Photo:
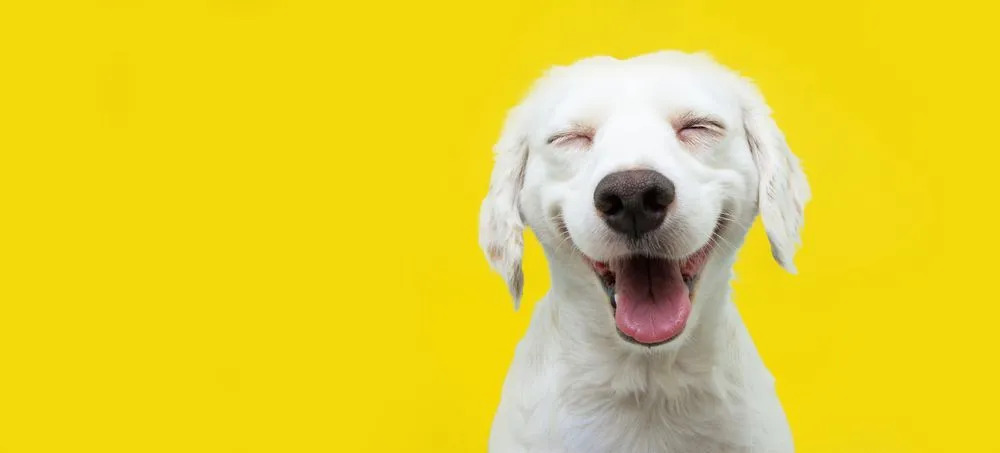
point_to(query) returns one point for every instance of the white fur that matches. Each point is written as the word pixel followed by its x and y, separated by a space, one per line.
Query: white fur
pixel 575 386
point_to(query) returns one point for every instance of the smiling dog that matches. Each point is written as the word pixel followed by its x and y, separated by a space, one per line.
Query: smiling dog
pixel 640 178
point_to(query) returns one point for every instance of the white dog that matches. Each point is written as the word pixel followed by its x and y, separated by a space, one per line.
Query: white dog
pixel 640 178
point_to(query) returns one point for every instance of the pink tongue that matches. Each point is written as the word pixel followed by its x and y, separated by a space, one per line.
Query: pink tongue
pixel 652 300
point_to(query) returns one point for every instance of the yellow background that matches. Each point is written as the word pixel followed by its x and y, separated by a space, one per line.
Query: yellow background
pixel 250 226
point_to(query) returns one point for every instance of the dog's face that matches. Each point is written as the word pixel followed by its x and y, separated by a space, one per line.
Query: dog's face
pixel 644 169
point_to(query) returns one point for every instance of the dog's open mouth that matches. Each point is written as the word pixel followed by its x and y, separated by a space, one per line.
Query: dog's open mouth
pixel 651 296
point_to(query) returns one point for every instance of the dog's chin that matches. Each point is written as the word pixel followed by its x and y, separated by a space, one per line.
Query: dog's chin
pixel 651 296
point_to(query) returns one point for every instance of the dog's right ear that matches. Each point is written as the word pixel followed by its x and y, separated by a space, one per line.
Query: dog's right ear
pixel 501 226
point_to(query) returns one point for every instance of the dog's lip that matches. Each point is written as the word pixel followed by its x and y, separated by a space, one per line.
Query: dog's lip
pixel 606 276
pixel 691 267
pixel 689 272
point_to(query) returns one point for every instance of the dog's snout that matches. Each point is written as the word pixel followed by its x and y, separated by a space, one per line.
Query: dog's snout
pixel 634 202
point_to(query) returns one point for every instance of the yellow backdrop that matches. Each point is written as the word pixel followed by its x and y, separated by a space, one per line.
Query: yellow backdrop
pixel 250 226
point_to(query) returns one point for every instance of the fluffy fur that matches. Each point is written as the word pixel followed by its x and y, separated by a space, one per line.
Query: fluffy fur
pixel 575 386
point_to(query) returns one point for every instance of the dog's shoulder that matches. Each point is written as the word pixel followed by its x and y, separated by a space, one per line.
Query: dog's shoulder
pixel 524 420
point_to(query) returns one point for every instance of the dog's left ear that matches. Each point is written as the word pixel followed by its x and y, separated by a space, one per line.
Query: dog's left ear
pixel 782 188
pixel 501 226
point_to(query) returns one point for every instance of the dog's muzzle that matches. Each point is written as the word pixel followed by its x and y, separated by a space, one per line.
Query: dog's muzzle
pixel 634 202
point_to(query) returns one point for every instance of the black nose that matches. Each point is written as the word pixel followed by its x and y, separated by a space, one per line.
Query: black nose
pixel 634 202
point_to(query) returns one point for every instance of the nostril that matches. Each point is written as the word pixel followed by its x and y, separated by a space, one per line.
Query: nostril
pixel 633 202
pixel 656 200
pixel 610 204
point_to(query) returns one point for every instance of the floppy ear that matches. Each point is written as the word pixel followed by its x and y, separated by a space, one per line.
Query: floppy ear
pixel 500 223
pixel 782 188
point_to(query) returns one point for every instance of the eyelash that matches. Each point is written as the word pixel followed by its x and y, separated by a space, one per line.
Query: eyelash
pixel 694 126
pixel 703 128
pixel 570 137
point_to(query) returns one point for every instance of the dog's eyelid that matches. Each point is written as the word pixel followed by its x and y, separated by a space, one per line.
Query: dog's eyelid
pixel 698 131
pixel 571 135
pixel 693 120
pixel 706 124
pixel 700 122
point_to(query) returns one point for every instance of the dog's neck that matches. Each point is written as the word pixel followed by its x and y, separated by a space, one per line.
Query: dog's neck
pixel 578 310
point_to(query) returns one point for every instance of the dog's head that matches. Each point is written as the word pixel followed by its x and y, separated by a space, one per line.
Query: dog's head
pixel 646 170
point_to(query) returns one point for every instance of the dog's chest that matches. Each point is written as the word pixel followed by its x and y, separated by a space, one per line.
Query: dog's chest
pixel 638 411
pixel 653 426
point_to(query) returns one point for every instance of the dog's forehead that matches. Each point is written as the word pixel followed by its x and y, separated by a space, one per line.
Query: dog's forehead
pixel 589 91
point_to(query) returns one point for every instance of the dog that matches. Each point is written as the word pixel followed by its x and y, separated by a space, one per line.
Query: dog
pixel 640 177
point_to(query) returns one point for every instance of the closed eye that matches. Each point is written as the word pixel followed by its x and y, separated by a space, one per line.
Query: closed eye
pixel 576 137
pixel 696 129
pixel 702 126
